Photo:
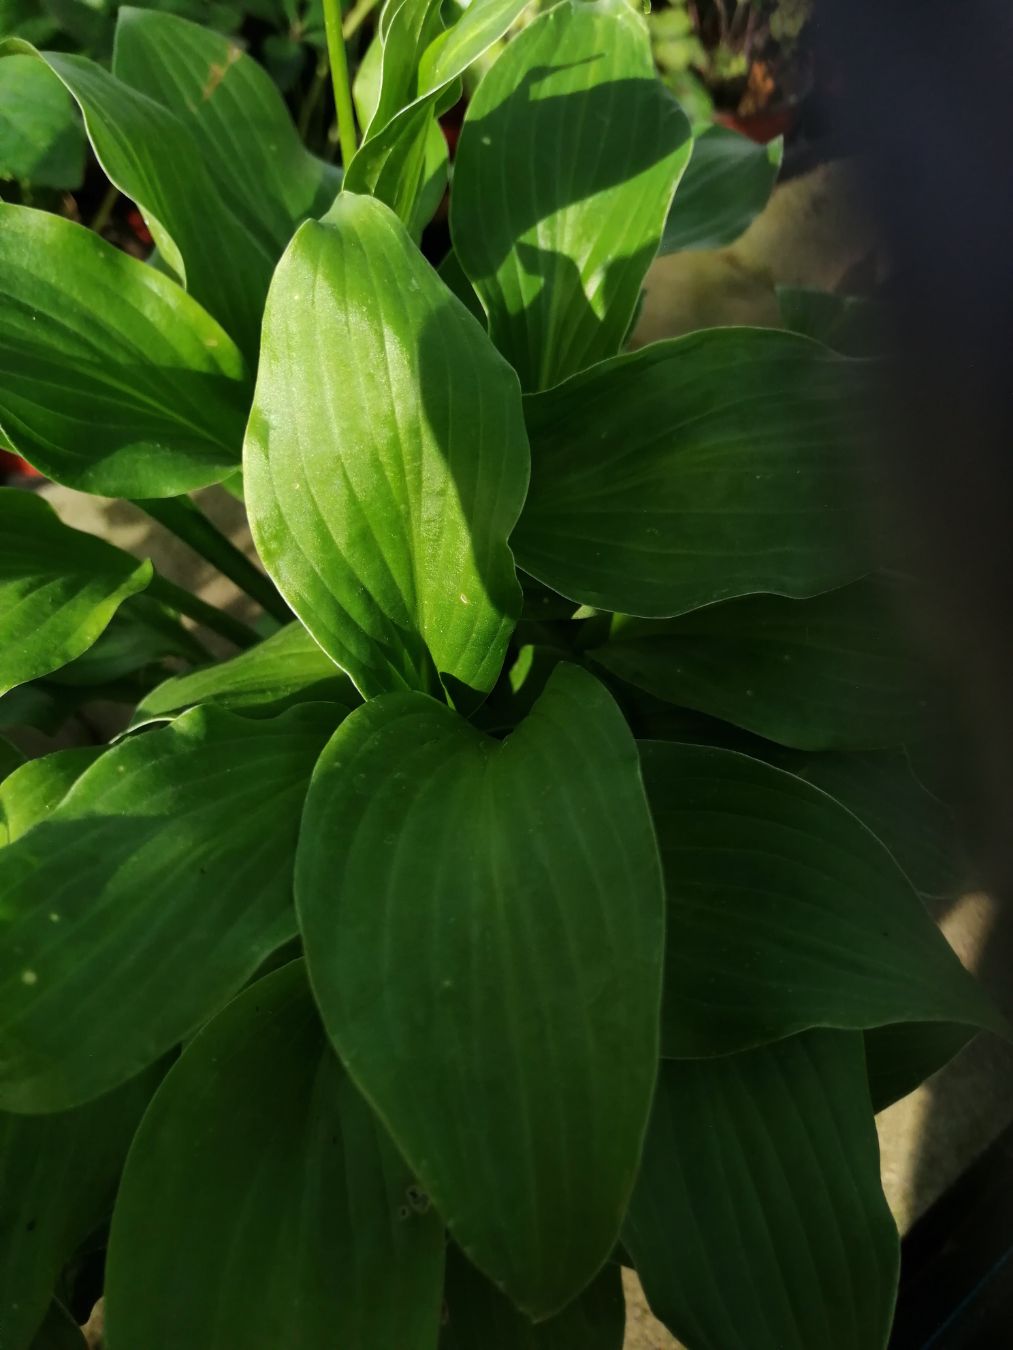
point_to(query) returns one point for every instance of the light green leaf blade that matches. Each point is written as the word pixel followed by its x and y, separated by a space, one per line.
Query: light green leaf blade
pixel 710 466
pixel 569 154
pixel 758 1221
pixel 727 184
pixel 142 635
pixel 237 116
pixel 383 519
pixel 58 588
pixel 41 138
pixel 58 1176
pixel 479 1317
pixel 391 162
pixel 154 159
pixel 483 928
pixel 32 791
pixel 92 338
pixel 169 866
pixel 285 669
pixel 832 672
pixel 258 1119
pixel 785 912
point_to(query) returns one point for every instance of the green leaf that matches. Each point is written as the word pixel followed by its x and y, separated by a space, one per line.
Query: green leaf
pixel 142 634
pixel 267 179
pixel 391 162
pixel 35 789
pixel 830 672
pixel 452 275
pixel 58 587
pixel 169 867
pixel 901 1057
pixel 58 1331
pixel 478 1315
pixel 483 928
pixel 41 139
pixel 92 338
pixel 58 1176
pixel 727 184
pixel 883 791
pixel 557 249
pixel 285 669
pixel 851 324
pixel 11 759
pixel 710 466
pixel 383 518
pixel 154 159
pixel 785 912
pixel 258 1119
pixel 758 1221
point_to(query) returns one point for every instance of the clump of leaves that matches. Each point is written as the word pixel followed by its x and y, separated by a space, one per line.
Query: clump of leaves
pixel 541 893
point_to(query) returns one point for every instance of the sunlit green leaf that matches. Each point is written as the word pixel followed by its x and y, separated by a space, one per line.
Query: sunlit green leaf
pixel 58 1176
pixel 168 868
pixel 570 152
pixel 383 518
pixel 337 1246
pixel 32 791
pixel 153 157
pixel 758 1221
pixel 727 184
pixel 92 339
pixel 58 587
pixel 41 138
pixel 785 912
pixel 830 672
pixel 483 929
pixel 710 466
pixel 283 670
pixel 237 117
pixel 478 1315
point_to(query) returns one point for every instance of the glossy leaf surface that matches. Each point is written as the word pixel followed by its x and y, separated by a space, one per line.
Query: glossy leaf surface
pixel 383 518
pixel 698 469
pixel 479 1316
pixel 285 669
pixel 785 912
pixel 58 1176
pixel 92 338
pixel 483 929
pixel 557 241
pixel 237 116
pixel 829 672
pixel 758 1221
pixel 41 140
pixel 34 789
pixel 154 159
pixel 258 1119
pixel 169 867
pixel 58 588
pixel 727 184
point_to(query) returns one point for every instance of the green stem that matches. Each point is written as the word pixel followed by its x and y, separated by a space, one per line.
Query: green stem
pixel 216 619
pixel 105 208
pixel 187 522
pixel 339 80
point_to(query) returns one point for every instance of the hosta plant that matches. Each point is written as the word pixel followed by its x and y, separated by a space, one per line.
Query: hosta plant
pixel 538 888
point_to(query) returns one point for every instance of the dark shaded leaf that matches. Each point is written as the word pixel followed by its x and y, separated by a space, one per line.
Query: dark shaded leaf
pixel 483 929
pixel 758 1221
pixel 258 1119
pixel 727 184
